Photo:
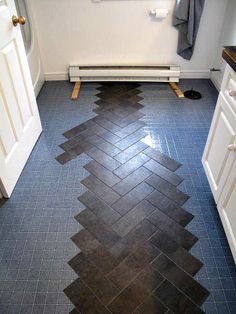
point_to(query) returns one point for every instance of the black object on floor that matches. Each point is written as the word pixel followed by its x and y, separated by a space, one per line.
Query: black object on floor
pixel 134 246
pixel 192 94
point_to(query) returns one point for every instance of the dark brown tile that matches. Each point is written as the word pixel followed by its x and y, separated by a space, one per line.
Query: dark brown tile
pixel 80 139
pixel 109 104
pixel 137 292
pixel 168 189
pixel 132 240
pixel 130 119
pixel 162 159
pixel 101 209
pixel 184 282
pixel 151 306
pixel 131 266
pixel 107 148
pixel 131 199
pixel 110 126
pixel 170 208
pixel 133 127
pixel 129 299
pixel 102 173
pixel 102 287
pixel 74 311
pixel 100 102
pixel 132 181
pixel 163 172
pixel 96 128
pixel 101 189
pixel 94 251
pixel 170 296
pixel 126 223
pixel 130 152
pixel 131 165
pixel 65 157
pixel 176 253
pixel 122 112
pixel 85 241
pixel 110 137
pixel 137 106
pixel 131 139
pixel 182 236
pixel 103 159
pixel 150 278
pixel 108 94
pixel 135 98
pixel 104 146
pixel 101 231
pixel 84 299
pixel 83 147
pixel 109 116
pixel 75 131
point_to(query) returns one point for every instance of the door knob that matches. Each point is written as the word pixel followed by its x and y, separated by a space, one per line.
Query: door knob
pixel 232 147
pixel 18 20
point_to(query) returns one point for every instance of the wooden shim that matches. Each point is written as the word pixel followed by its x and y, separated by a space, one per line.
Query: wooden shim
pixel 177 90
pixel 76 90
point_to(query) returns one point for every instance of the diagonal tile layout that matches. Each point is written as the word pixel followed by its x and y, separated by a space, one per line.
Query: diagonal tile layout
pixel 134 246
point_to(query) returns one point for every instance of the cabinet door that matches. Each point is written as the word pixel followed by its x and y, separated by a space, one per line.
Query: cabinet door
pixel 219 153
pixel 227 209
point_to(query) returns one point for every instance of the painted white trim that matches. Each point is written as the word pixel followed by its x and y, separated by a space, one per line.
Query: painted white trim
pixel 185 74
pixel 39 81
pixel 37 87
pixel 56 76
pixel 216 78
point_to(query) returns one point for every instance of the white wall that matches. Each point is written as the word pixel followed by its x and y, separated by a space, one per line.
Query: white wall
pixel 227 38
pixel 120 32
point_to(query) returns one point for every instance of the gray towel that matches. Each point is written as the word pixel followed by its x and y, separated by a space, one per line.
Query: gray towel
pixel 186 18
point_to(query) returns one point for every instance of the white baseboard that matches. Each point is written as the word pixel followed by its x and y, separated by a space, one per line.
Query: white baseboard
pixel 185 74
pixel 216 78
pixel 56 76
pixel 37 87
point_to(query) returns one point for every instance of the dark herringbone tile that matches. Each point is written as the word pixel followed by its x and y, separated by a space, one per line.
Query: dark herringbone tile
pixel 134 246
pixel 131 199
pixel 131 165
pixel 102 173
pixel 101 209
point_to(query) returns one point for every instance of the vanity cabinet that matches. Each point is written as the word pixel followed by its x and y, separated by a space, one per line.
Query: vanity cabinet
pixel 219 154
pixel 219 158
pixel 227 209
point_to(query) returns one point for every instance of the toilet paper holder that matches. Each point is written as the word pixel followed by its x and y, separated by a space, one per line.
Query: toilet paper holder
pixel 159 13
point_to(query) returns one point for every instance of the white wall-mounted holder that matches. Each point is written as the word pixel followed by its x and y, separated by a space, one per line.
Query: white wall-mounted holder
pixel 159 13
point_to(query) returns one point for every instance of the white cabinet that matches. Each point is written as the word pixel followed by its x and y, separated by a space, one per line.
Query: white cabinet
pixel 227 209
pixel 219 158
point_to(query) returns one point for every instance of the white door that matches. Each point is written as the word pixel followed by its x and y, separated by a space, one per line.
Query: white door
pixel 20 124
pixel 218 156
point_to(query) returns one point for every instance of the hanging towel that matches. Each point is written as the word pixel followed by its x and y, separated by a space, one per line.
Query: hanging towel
pixel 186 19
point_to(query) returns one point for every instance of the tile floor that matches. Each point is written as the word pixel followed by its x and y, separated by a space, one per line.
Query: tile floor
pixel 37 222
pixel 132 205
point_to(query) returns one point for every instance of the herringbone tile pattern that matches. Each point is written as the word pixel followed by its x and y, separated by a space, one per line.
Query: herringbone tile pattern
pixel 134 246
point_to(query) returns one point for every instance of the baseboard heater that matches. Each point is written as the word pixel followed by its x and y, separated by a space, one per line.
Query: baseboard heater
pixel 158 73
